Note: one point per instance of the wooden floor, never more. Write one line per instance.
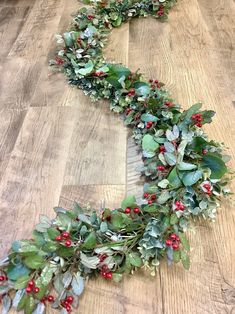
(56, 146)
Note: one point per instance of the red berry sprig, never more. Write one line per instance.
(162, 149)
(64, 238)
(128, 210)
(131, 92)
(173, 241)
(161, 168)
(66, 303)
(149, 125)
(197, 119)
(3, 278)
(208, 188)
(179, 206)
(105, 273)
(31, 287)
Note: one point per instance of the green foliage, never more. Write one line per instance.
(134, 235)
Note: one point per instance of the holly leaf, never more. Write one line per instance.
(174, 179)
(128, 202)
(191, 178)
(135, 259)
(90, 241)
(184, 241)
(149, 144)
(216, 164)
(34, 261)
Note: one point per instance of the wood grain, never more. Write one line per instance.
(56, 147)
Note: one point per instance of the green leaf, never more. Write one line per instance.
(128, 202)
(118, 70)
(185, 259)
(117, 277)
(170, 159)
(50, 247)
(135, 259)
(164, 197)
(174, 179)
(149, 144)
(142, 88)
(147, 117)
(176, 256)
(89, 66)
(47, 273)
(21, 282)
(34, 261)
(52, 233)
(150, 208)
(184, 241)
(90, 241)
(29, 305)
(186, 166)
(38, 238)
(103, 227)
(191, 178)
(68, 39)
(216, 164)
(43, 289)
(198, 144)
(15, 272)
(174, 219)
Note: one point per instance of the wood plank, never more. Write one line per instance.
(33, 178)
(10, 125)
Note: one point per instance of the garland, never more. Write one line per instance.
(184, 172)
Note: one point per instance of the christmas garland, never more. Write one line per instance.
(185, 176)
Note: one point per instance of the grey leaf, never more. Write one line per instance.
(6, 304)
(77, 284)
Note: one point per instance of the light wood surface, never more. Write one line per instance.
(56, 146)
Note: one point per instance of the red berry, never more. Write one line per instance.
(173, 236)
(105, 267)
(131, 92)
(150, 81)
(150, 202)
(162, 149)
(65, 235)
(136, 210)
(153, 197)
(58, 238)
(2, 278)
(90, 17)
(207, 186)
(177, 203)
(102, 257)
(36, 290)
(68, 243)
(168, 243)
(199, 124)
(204, 151)
(128, 210)
(109, 275)
(181, 207)
(175, 246)
(169, 104)
(70, 299)
(31, 284)
(28, 290)
(149, 124)
(50, 298)
(68, 308)
(146, 195)
(103, 274)
(160, 168)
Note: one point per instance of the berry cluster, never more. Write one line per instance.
(179, 206)
(154, 84)
(169, 104)
(64, 237)
(128, 111)
(208, 188)
(66, 303)
(150, 197)
(128, 210)
(173, 241)
(105, 273)
(131, 92)
(59, 61)
(31, 288)
(48, 298)
(160, 11)
(102, 257)
(197, 119)
(98, 74)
